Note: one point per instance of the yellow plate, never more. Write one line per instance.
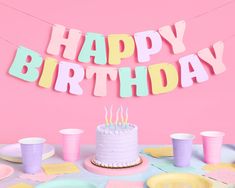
(178, 180)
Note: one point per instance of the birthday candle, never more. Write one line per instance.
(111, 115)
(117, 116)
(126, 120)
(122, 119)
(106, 116)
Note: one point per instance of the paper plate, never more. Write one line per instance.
(66, 183)
(5, 171)
(171, 180)
(12, 152)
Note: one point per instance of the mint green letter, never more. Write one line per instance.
(34, 61)
(100, 49)
(140, 81)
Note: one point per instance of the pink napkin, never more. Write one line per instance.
(223, 175)
(124, 184)
(40, 177)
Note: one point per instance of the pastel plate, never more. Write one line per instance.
(171, 180)
(5, 171)
(66, 183)
(12, 152)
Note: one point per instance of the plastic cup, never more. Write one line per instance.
(212, 144)
(31, 151)
(182, 148)
(71, 144)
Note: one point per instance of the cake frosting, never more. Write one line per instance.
(117, 145)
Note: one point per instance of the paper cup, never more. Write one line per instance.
(182, 148)
(71, 144)
(212, 144)
(31, 151)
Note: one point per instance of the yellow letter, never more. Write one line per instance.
(48, 72)
(115, 53)
(157, 81)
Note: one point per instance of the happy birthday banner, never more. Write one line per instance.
(72, 74)
(164, 76)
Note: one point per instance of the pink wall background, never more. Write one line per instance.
(28, 110)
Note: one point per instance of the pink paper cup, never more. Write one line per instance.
(212, 144)
(71, 144)
(31, 151)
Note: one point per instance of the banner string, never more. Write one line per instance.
(211, 10)
(7, 41)
(51, 24)
(25, 13)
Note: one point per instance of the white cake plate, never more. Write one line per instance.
(12, 152)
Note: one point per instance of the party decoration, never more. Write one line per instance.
(48, 72)
(71, 144)
(217, 61)
(212, 142)
(172, 180)
(169, 167)
(5, 171)
(140, 81)
(64, 78)
(124, 184)
(100, 49)
(58, 40)
(175, 41)
(115, 171)
(157, 81)
(12, 152)
(115, 54)
(39, 177)
(223, 175)
(31, 150)
(21, 185)
(159, 152)
(66, 183)
(121, 120)
(29, 59)
(198, 70)
(101, 74)
(61, 168)
(219, 166)
(182, 147)
(143, 49)
(164, 76)
(121, 134)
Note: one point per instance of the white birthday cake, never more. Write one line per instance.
(117, 145)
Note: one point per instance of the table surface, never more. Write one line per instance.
(228, 155)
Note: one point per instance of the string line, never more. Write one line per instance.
(51, 24)
(211, 10)
(25, 13)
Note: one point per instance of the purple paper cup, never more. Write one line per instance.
(31, 151)
(182, 148)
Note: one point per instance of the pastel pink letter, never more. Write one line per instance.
(175, 41)
(198, 71)
(143, 49)
(101, 78)
(215, 61)
(58, 40)
(69, 74)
